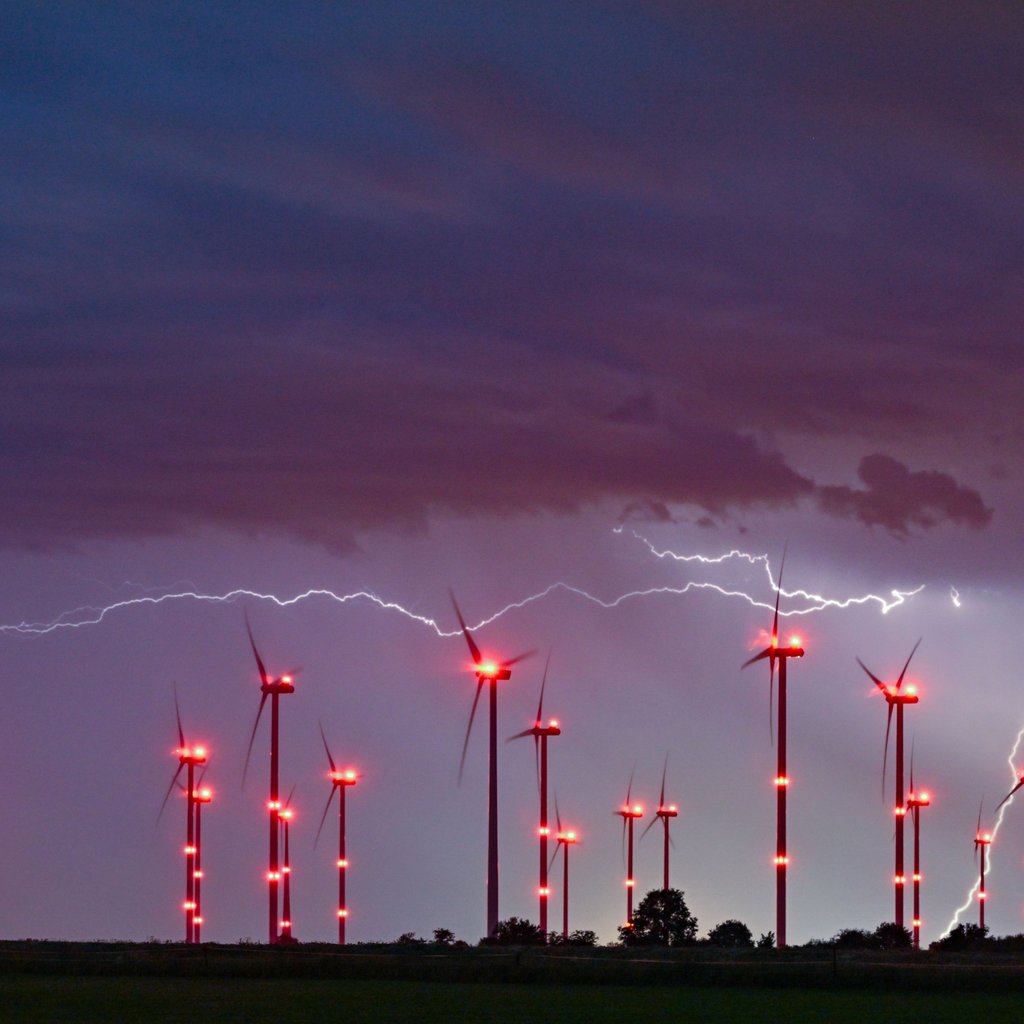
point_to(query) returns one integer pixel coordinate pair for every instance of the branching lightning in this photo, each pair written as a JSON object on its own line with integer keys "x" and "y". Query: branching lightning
{"x": 815, "y": 602}
{"x": 1011, "y": 760}
{"x": 91, "y": 615}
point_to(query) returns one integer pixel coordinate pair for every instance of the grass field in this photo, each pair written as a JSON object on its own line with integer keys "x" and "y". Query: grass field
{"x": 71, "y": 1000}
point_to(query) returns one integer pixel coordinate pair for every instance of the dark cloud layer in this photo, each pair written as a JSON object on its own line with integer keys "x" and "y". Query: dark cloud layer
{"x": 377, "y": 262}
{"x": 897, "y": 498}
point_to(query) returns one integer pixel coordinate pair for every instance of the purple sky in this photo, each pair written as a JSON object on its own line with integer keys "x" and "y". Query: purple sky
{"x": 381, "y": 298}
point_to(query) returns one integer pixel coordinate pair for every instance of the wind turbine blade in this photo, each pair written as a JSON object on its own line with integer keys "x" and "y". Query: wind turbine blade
{"x": 473, "y": 649}
{"x": 766, "y": 653}
{"x": 519, "y": 657}
{"x": 334, "y": 767}
{"x": 177, "y": 712}
{"x": 977, "y": 832}
{"x": 664, "y": 771}
{"x": 778, "y": 595}
{"x": 650, "y": 825}
{"x": 771, "y": 703}
{"x": 170, "y": 789}
{"x": 1008, "y": 795}
{"x": 469, "y": 728}
{"x": 543, "y": 683}
{"x": 554, "y": 856}
{"x": 899, "y": 682}
{"x": 629, "y": 788}
{"x": 878, "y": 682}
{"x": 288, "y": 802}
{"x": 521, "y": 735}
{"x": 885, "y": 750}
{"x": 323, "y": 817}
{"x": 252, "y": 738}
{"x": 264, "y": 678}
{"x": 558, "y": 816}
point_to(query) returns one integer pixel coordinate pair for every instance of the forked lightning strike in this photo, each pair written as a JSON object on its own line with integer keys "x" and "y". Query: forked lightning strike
{"x": 1011, "y": 760}
{"x": 816, "y": 601}
{"x": 87, "y": 615}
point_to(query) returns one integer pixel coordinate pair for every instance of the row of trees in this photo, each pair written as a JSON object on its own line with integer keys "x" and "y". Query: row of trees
{"x": 662, "y": 918}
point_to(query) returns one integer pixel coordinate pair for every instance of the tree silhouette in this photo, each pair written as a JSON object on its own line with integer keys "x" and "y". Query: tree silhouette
{"x": 971, "y": 936}
{"x": 661, "y": 919}
{"x": 517, "y": 931}
{"x": 732, "y": 934}
{"x": 855, "y": 938}
{"x": 579, "y": 937}
{"x": 890, "y": 935}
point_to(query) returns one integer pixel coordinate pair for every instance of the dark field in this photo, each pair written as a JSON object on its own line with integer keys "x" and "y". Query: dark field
{"x": 33, "y": 998}
{"x": 167, "y": 982}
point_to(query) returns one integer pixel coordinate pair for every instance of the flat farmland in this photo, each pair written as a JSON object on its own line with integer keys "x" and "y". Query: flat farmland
{"x": 28, "y": 999}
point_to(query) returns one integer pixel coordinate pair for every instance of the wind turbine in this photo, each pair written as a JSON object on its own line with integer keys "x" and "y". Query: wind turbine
{"x": 285, "y": 816}
{"x": 896, "y": 698}
{"x": 773, "y": 652}
{"x": 982, "y": 840}
{"x": 188, "y": 758}
{"x": 915, "y": 801}
{"x": 203, "y": 795}
{"x": 488, "y": 671}
{"x": 540, "y": 734}
{"x": 629, "y": 812}
{"x": 565, "y": 839}
{"x": 340, "y": 780}
{"x": 663, "y": 814}
{"x": 272, "y": 688}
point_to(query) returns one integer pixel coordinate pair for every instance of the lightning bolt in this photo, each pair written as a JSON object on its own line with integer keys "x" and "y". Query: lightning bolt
{"x": 91, "y": 615}
{"x": 954, "y": 596}
{"x": 988, "y": 851}
{"x": 815, "y": 602}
